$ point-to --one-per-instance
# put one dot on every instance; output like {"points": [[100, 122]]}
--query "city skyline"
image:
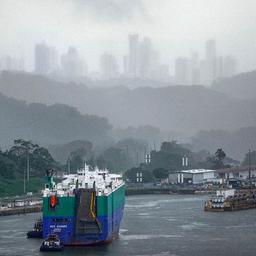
{"points": [[142, 60], [176, 27]]}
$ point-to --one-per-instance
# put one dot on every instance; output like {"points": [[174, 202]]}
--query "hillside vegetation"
{"points": [[44, 124], [186, 109]]}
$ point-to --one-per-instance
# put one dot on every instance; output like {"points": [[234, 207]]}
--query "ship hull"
{"points": [[64, 218], [236, 207]]}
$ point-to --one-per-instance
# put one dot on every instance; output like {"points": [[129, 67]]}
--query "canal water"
{"points": [[158, 225]]}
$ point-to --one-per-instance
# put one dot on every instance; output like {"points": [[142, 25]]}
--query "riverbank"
{"points": [[129, 191], [160, 190]]}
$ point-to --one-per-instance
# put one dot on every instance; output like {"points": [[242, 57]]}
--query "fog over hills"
{"points": [[186, 109], [48, 124], [236, 143], [242, 86], [210, 116]]}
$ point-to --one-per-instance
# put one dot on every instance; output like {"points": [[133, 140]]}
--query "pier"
{"points": [[20, 210]]}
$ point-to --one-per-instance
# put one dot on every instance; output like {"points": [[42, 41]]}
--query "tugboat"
{"points": [[51, 244], [37, 231]]}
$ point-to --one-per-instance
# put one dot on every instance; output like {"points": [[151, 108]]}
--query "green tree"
{"points": [[77, 159], [39, 158], [170, 157], [7, 167], [160, 173], [246, 158], [146, 175], [113, 159], [220, 156]]}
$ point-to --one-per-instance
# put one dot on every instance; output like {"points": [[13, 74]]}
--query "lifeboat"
{"points": [[53, 201]]}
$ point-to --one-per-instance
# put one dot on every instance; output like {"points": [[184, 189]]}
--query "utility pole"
{"points": [[68, 165], [28, 165], [249, 160], [24, 181]]}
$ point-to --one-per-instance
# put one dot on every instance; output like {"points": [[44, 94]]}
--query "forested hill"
{"points": [[48, 124], [241, 86], [234, 143], [186, 109]]}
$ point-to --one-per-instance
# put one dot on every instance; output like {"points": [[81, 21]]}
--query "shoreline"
{"points": [[128, 192], [20, 210], [165, 191]]}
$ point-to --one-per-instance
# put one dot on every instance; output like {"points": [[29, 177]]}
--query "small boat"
{"points": [[51, 244], [37, 231]]}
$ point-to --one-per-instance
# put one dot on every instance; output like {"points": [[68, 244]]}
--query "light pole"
{"points": [[69, 165], [24, 181], [28, 165], [249, 160]]}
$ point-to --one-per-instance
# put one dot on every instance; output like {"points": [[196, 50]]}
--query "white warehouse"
{"points": [[195, 176]]}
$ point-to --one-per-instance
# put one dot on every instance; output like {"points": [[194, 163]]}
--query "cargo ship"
{"points": [[231, 200], [85, 208]]}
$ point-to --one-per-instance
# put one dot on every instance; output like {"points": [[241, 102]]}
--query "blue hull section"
{"points": [[65, 228]]}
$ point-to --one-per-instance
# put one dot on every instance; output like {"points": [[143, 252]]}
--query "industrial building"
{"points": [[195, 176]]}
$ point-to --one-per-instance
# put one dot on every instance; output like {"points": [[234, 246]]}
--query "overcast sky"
{"points": [[94, 26]]}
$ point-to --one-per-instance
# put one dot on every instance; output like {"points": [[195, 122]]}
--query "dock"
{"points": [[20, 210]]}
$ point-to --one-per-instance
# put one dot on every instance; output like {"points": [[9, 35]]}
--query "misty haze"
{"points": [[157, 96]]}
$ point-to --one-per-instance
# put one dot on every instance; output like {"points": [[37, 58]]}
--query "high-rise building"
{"points": [[210, 58], [46, 59], [181, 75], [134, 55], [194, 69], [72, 65], [229, 66], [145, 58], [126, 65], [210, 47], [161, 73], [108, 66], [219, 67], [142, 60], [11, 64]]}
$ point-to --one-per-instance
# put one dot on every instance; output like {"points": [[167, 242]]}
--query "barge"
{"points": [[231, 200]]}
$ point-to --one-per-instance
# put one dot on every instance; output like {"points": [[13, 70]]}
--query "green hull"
{"points": [[65, 206]]}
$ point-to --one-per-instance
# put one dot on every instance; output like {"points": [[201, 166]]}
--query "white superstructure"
{"points": [[101, 180]]}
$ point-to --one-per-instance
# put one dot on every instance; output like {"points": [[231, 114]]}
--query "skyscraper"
{"points": [[108, 66], [126, 65], [12, 64], [72, 65], [133, 55], [46, 60], [145, 58], [210, 58], [229, 66], [182, 71], [194, 69]]}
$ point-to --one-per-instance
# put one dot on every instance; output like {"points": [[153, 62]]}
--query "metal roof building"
{"points": [[194, 176]]}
